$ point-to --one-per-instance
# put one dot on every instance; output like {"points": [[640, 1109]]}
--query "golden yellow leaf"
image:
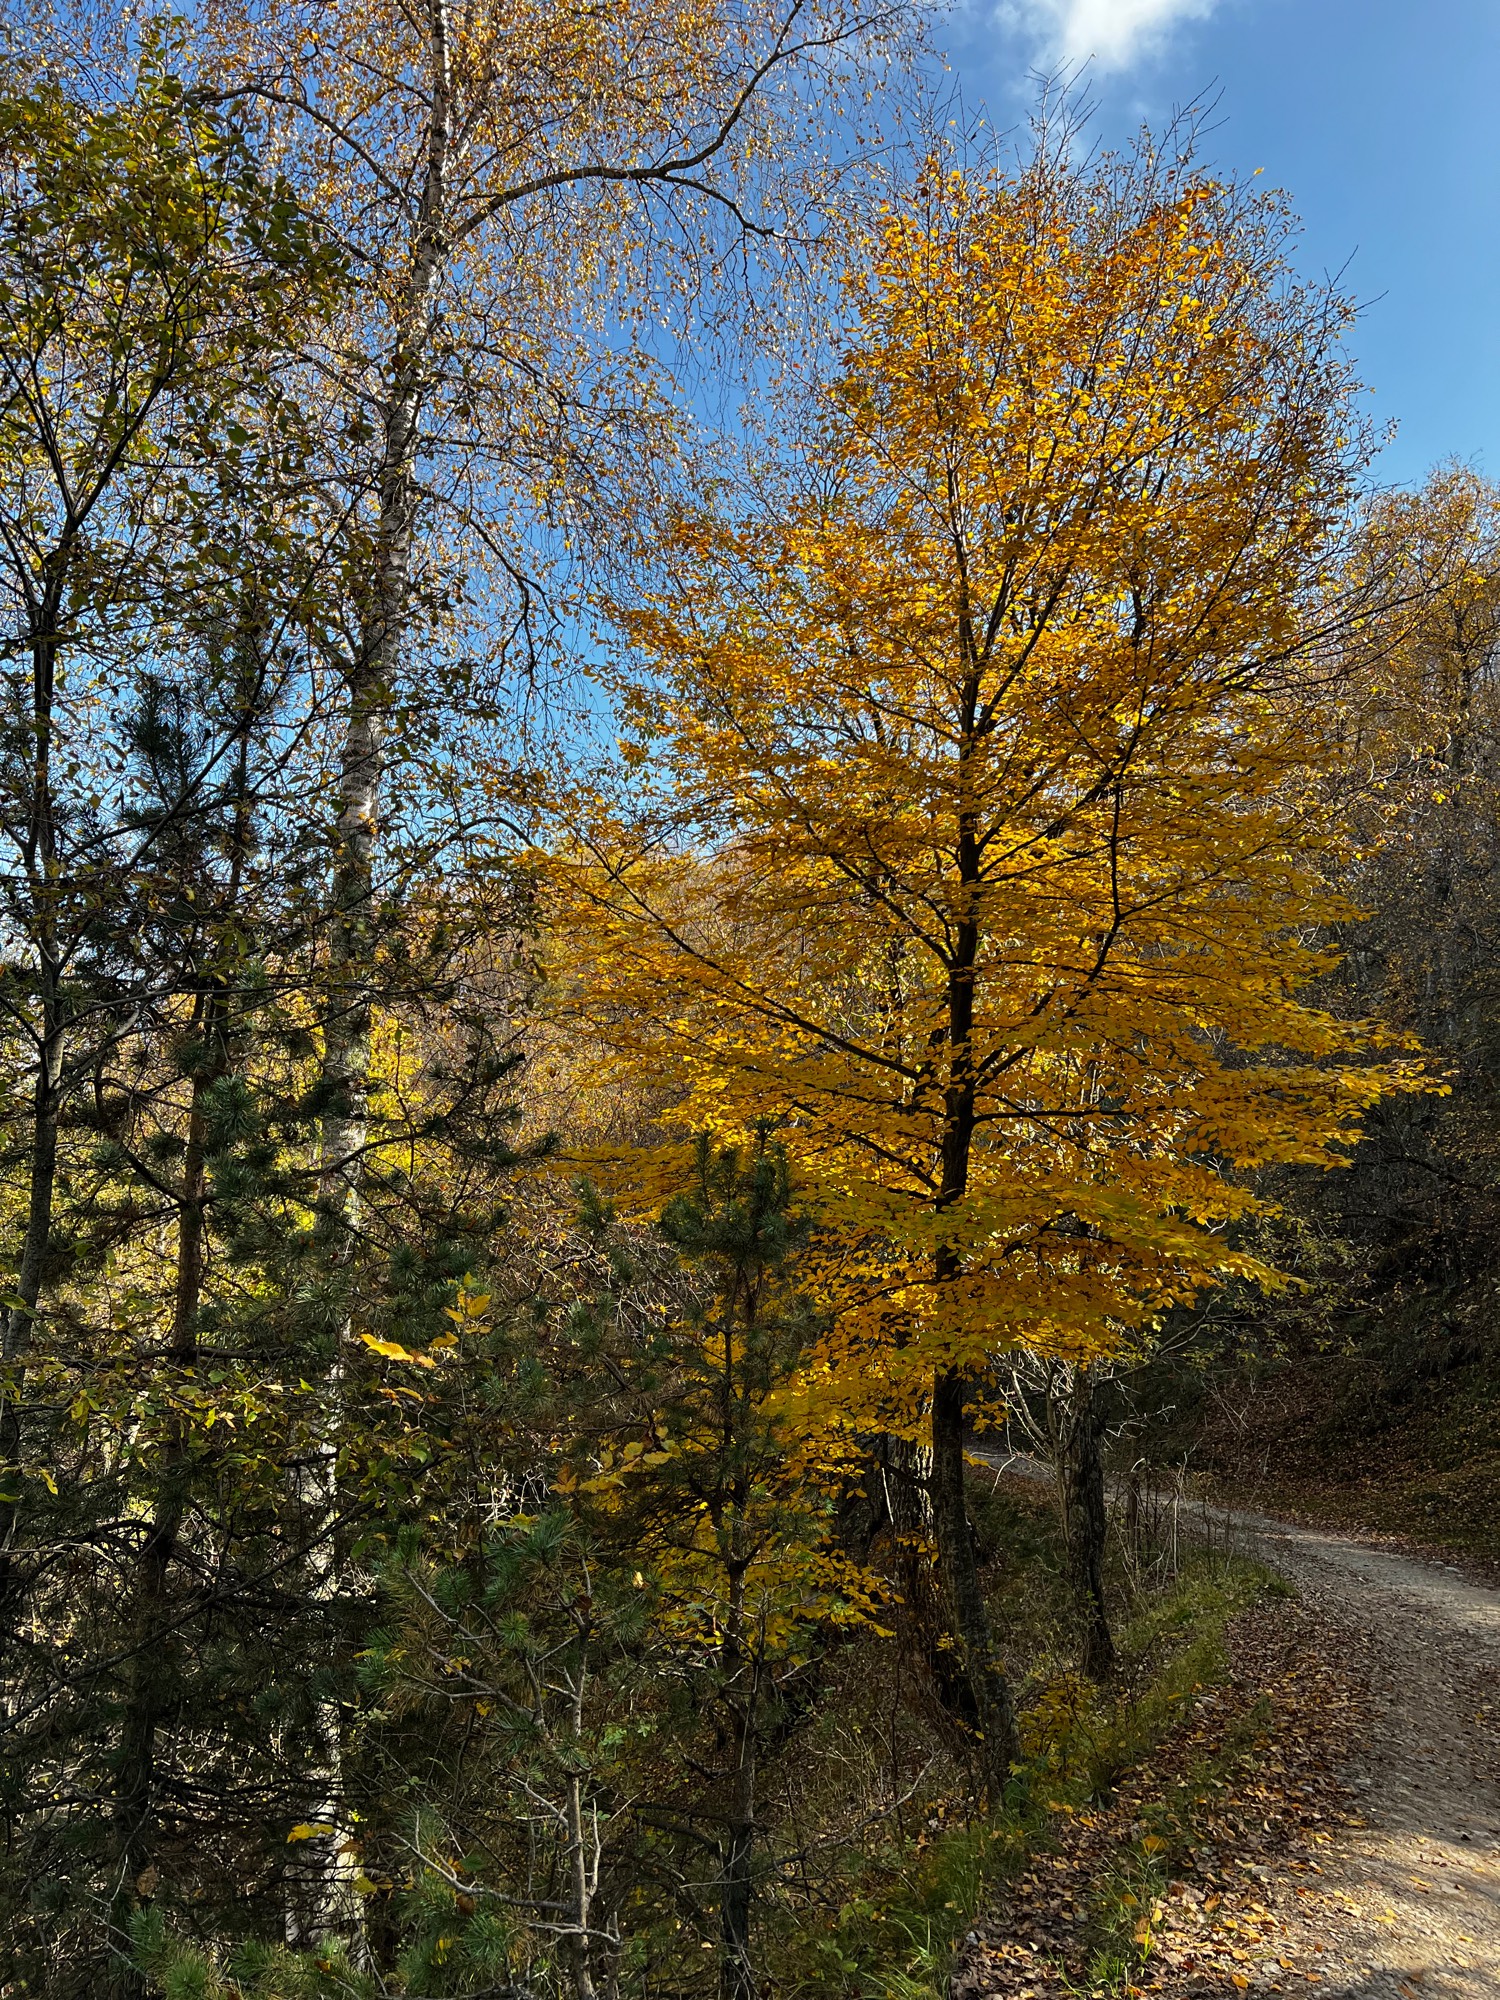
{"points": [[392, 1350]]}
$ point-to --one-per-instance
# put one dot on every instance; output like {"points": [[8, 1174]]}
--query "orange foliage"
{"points": [[985, 862]]}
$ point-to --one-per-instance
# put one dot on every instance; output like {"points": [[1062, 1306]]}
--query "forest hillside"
{"points": [[747, 883]]}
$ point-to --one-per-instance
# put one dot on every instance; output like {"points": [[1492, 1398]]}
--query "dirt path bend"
{"points": [[1408, 1905]]}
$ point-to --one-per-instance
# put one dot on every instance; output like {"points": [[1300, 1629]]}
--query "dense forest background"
{"points": [[706, 807]]}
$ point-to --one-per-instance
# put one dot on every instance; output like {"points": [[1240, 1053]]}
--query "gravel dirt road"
{"points": [[1408, 1905]]}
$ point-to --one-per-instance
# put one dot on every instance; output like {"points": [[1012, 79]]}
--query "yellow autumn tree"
{"points": [[982, 860]]}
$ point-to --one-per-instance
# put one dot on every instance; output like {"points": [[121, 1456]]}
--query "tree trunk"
{"points": [[736, 1979], [1087, 1522], [39, 857], [588, 1968], [988, 1691], [148, 1675], [324, 1903], [737, 1894], [927, 1631], [580, 1946], [1133, 1527], [148, 1702], [20, 1317]]}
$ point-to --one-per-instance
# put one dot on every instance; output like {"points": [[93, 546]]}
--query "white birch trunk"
{"points": [[324, 1902]]}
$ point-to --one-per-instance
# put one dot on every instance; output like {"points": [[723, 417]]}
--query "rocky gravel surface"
{"points": [[1354, 1852], [1407, 1901]]}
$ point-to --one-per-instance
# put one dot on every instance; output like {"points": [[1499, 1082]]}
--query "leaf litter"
{"points": [[1351, 1845], [1163, 1888]]}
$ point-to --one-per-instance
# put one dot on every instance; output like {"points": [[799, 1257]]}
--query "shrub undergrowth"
{"points": [[894, 1935]]}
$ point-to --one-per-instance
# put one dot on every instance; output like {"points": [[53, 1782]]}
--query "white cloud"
{"points": [[1111, 33]]}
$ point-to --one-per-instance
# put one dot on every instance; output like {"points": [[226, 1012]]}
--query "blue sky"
{"points": [[1381, 118]]}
